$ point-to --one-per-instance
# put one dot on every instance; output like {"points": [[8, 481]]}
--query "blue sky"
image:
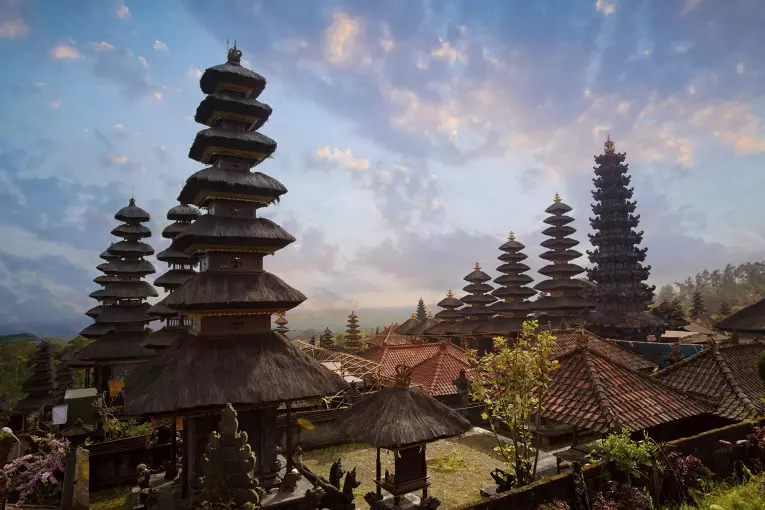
{"points": [[413, 135]]}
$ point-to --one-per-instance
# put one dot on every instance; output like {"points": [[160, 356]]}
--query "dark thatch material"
{"points": [[131, 249], [183, 212], [199, 372], [136, 267], [125, 314], [160, 309], [96, 330], [747, 320], [467, 326], [164, 337], [561, 303], [394, 418], [107, 278], [252, 142], [126, 290], [407, 326], [443, 328], [40, 387], [174, 278], [214, 291], [419, 329], [234, 74], [114, 346], [126, 230], [93, 312], [174, 229], [132, 214], [236, 232], [561, 270], [105, 255], [214, 180], [172, 256], [564, 285], [501, 326], [225, 102]]}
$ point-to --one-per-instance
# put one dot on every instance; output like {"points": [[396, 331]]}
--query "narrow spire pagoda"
{"points": [[327, 339], [621, 295], [514, 291], [231, 353], [41, 385], [352, 337], [420, 313], [281, 323], [450, 304], [478, 297], [120, 322], [563, 299], [97, 329], [181, 268]]}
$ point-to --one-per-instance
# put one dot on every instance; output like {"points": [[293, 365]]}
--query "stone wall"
{"points": [[706, 446]]}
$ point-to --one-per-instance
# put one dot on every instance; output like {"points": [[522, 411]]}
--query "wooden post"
{"points": [[189, 450], [379, 475], [87, 377], [288, 438], [424, 489]]}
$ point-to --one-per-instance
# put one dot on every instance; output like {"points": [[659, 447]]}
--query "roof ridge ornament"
{"points": [[477, 267], [609, 146], [557, 198], [511, 236], [234, 55], [450, 293], [403, 376]]}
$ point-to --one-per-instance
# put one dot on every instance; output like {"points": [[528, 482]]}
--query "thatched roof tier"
{"points": [[40, 387], [131, 249], [448, 315], [554, 255], [449, 302], [558, 208], [96, 330], [229, 232], [174, 229], [211, 142], [164, 337], [561, 303], [174, 278], [127, 230], [407, 326], [421, 328], [160, 309], [115, 346], [560, 243], [229, 183], [397, 417], [132, 213], [172, 256], [559, 219], [517, 306], [95, 311], [477, 287], [106, 255], [477, 276], [223, 76], [183, 213], [126, 289], [124, 314], [561, 232], [217, 105], [209, 291], [106, 279], [747, 320], [443, 328], [467, 327], [197, 373], [574, 285], [127, 267], [569, 270], [501, 326]]}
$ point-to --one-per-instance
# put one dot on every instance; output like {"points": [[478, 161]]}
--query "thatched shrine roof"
{"points": [[222, 231], [197, 373], [401, 416], [407, 326], [114, 346], [747, 320], [216, 181]]}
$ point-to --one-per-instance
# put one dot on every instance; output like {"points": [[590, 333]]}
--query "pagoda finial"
{"points": [[511, 236], [430, 314], [609, 145], [581, 339], [234, 55], [414, 316], [449, 293], [403, 376], [557, 199], [477, 267]]}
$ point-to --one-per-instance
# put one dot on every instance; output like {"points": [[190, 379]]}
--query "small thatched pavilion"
{"points": [[403, 420]]}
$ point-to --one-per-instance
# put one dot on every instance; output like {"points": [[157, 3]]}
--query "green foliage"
{"points": [[627, 456], [511, 383], [448, 463], [116, 429]]}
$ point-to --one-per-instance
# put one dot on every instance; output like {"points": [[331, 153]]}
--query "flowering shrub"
{"points": [[36, 476], [622, 497]]}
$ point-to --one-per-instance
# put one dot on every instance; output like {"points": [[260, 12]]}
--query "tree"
{"points": [[698, 310], [666, 294], [511, 382], [724, 309], [421, 313]]}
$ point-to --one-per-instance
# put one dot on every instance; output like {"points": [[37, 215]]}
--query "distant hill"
{"points": [[18, 337]]}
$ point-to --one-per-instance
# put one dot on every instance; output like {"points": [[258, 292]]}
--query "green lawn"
{"points": [[458, 468], [116, 498], [747, 496]]}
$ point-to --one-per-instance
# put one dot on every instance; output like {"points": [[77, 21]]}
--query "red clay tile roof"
{"points": [[589, 391], [567, 342], [726, 375], [433, 365], [747, 320]]}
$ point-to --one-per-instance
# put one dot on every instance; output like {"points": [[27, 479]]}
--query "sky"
{"points": [[413, 135]]}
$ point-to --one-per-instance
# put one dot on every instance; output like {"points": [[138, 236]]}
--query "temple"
{"points": [[562, 303], [352, 337], [327, 339], [120, 322], [40, 387], [181, 269], [231, 353], [621, 295]]}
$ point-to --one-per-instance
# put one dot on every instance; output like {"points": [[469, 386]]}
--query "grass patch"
{"points": [[723, 496], [458, 467], [116, 498]]}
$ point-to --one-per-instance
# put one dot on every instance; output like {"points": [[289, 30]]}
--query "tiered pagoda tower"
{"points": [[41, 385], [621, 294], [327, 339], [450, 305], [352, 337], [97, 329], [181, 269], [564, 304], [478, 297], [281, 323], [513, 293], [120, 321], [231, 354]]}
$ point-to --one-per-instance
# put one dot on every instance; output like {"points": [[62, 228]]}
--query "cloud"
{"points": [[10, 188], [13, 28], [160, 151], [607, 7], [120, 68], [193, 72], [160, 46], [64, 52], [740, 68], [447, 52], [123, 12], [100, 46], [56, 105], [341, 39], [122, 161], [118, 127], [143, 61], [327, 158], [28, 245]]}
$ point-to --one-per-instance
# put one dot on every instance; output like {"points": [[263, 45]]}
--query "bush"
{"points": [[622, 497], [620, 453], [36, 476]]}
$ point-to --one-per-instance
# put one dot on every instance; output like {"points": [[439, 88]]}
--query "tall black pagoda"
{"points": [[450, 305], [120, 322], [621, 294], [478, 297], [513, 307], [352, 336], [563, 304], [231, 354], [40, 387], [181, 268]]}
